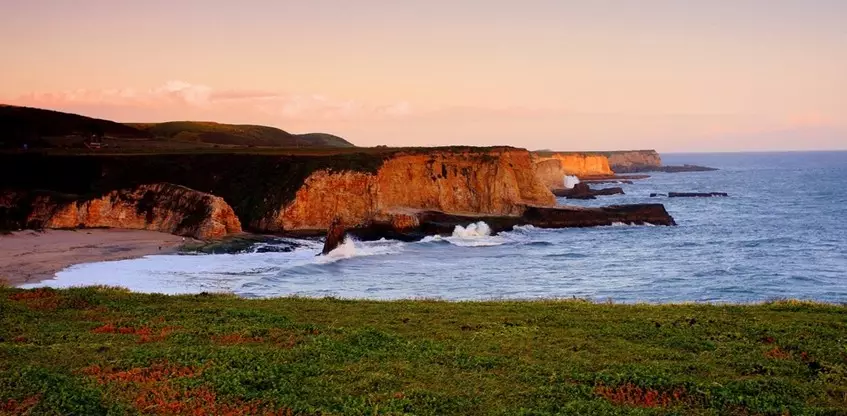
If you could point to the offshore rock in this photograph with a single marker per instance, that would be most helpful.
(583, 191)
(335, 236)
(429, 222)
(690, 194)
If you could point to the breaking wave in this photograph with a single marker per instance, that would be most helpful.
(571, 181)
(476, 234)
(353, 248)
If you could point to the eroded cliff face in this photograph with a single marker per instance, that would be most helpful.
(496, 182)
(552, 168)
(159, 207)
(633, 160)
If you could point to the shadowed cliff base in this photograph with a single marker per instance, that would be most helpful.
(161, 207)
(279, 193)
(414, 225)
(583, 191)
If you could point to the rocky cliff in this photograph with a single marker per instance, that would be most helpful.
(628, 161)
(553, 167)
(495, 182)
(276, 193)
(158, 207)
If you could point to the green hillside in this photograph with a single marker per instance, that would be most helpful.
(38, 127)
(41, 128)
(237, 134)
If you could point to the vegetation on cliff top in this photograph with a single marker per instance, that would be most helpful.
(37, 127)
(238, 134)
(40, 128)
(255, 184)
(95, 351)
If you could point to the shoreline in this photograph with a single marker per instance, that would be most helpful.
(30, 256)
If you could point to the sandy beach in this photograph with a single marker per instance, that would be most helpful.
(30, 256)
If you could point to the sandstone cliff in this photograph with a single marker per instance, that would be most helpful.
(634, 160)
(553, 167)
(159, 207)
(274, 193)
(495, 182)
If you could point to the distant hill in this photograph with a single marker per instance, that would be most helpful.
(37, 127)
(238, 134)
(47, 128)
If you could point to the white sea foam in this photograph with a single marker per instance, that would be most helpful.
(353, 248)
(476, 234)
(477, 229)
(571, 181)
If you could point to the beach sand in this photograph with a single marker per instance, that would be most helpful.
(31, 256)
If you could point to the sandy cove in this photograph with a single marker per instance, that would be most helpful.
(31, 256)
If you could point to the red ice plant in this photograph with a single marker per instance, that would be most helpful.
(632, 395)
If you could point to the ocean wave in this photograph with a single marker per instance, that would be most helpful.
(476, 234)
(353, 248)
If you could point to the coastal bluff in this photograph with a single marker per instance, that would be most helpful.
(284, 193)
(162, 207)
(302, 193)
(552, 167)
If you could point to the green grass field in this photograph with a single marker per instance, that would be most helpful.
(96, 351)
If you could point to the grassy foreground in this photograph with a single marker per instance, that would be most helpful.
(96, 351)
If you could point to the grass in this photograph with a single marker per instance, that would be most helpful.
(237, 134)
(108, 351)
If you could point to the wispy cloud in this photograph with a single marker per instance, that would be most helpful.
(180, 97)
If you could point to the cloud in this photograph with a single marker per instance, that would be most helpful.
(183, 99)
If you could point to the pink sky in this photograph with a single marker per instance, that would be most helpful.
(716, 75)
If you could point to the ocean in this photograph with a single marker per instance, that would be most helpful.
(781, 233)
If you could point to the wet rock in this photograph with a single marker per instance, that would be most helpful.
(695, 194)
(160, 207)
(440, 223)
(689, 194)
(583, 191)
(666, 169)
(335, 235)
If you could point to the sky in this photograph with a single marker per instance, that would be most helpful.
(710, 75)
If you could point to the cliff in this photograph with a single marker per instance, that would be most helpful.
(298, 193)
(552, 167)
(629, 161)
(499, 182)
(159, 207)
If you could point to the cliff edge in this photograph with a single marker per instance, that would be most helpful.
(160, 207)
(552, 167)
(304, 193)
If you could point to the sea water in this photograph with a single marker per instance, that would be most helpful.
(781, 233)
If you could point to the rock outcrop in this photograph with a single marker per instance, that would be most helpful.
(690, 194)
(583, 191)
(415, 224)
(679, 168)
(158, 207)
(335, 236)
(553, 167)
(497, 182)
(298, 193)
